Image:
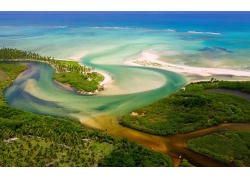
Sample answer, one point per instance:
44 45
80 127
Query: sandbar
149 59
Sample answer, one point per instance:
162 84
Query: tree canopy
191 109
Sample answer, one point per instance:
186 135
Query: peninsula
84 79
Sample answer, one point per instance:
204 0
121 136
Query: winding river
132 87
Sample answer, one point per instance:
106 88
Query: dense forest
129 154
231 148
80 77
191 108
31 140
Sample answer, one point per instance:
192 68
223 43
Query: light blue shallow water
104 40
41 95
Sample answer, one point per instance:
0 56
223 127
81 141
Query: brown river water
171 145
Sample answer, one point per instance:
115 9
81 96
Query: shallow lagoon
105 41
35 91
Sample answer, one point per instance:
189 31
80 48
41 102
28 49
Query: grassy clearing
70 63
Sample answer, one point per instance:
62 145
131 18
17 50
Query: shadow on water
230 91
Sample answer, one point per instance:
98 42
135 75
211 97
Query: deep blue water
233 27
180 21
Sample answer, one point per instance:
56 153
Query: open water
104 40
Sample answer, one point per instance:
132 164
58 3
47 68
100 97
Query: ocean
105 40
192 38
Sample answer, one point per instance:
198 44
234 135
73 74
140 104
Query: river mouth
171 145
35 91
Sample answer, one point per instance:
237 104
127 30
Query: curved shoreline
66 86
193 74
107 78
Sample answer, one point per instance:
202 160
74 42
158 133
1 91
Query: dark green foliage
226 147
191 109
79 77
236 85
80 81
56 139
9 53
129 154
185 163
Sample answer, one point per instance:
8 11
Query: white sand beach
152 60
107 78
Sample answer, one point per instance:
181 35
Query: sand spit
151 60
75 57
107 78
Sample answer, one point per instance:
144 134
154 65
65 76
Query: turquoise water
208 39
35 91
105 40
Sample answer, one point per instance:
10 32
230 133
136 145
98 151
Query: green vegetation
129 154
88 82
27 139
37 151
185 163
191 109
80 77
8 73
62 66
48 141
243 86
228 147
10 54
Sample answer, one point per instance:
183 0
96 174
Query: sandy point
76 57
149 59
107 78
